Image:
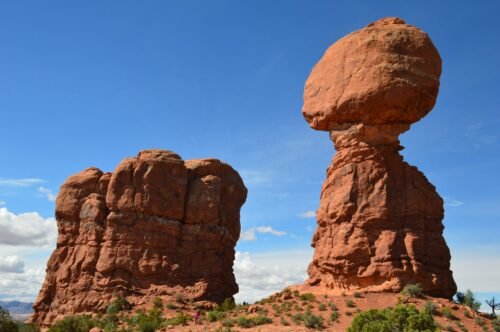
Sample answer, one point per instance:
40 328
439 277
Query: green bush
431 307
23 327
334 316
215 315
496 324
307 297
350 304
284 322
313 322
227 305
322 307
448 313
6 322
73 324
246 322
468 299
357 295
412 290
400 318
158 302
118 304
179 319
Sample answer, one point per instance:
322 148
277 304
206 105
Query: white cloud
20 182
48 193
260 275
308 214
12 264
26 229
21 286
250 234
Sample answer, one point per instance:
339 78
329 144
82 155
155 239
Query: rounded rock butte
380 220
157 225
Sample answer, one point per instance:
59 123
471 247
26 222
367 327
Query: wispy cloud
308 214
451 202
26 229
22 286
12 264
26 182
47 193
253 178
250 234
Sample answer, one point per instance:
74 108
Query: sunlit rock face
157 225
380 220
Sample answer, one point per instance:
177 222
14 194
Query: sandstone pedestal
380 220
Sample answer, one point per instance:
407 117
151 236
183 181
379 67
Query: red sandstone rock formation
157 226
380 220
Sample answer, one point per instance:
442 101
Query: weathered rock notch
379 220
157 225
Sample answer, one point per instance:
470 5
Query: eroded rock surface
380 220
157 225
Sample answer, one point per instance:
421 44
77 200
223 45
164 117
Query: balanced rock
380 220
158 225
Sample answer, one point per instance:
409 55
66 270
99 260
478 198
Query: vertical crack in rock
379 220
157 225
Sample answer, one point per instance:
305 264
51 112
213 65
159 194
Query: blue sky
89 83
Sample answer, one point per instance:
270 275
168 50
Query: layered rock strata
155 226
380 220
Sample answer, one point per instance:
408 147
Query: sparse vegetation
350 304
334 316
313 322
72 324
307 297
448 313
357 295
468 299
431 307
412 290
118 304
6 322
400 318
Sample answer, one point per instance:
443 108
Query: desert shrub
179 319
215 315
229 322
313 322
171 306
431 307
227 305
246 322
322 307
480 322
350 304
298 318
307 297
468 299
412 290
357 295
179 298
284 322
449 328
6 322
73 324
332 306
158 302
148 322
296 293
448 313
400 318
467 314
23 327
334 316
118 304
496 324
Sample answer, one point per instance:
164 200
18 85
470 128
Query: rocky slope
157 225
380 220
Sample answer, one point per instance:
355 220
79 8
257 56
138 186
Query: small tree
468 299
493 305
6 322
